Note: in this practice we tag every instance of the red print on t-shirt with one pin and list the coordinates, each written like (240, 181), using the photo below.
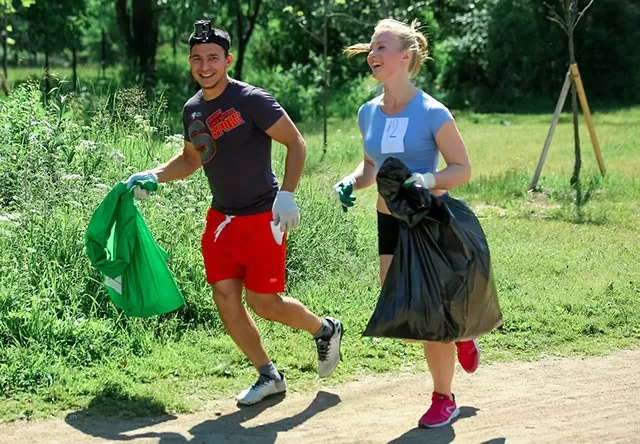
(220, 123)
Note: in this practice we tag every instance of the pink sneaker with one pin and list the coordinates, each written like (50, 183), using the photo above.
(468, 355)
(442, 411)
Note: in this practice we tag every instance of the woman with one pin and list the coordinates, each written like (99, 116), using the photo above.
(407, 123)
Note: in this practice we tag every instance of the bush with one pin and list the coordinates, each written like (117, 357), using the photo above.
(503, 55)
(59, 162)
(288, 87)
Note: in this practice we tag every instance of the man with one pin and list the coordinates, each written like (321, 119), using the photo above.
(229, 127)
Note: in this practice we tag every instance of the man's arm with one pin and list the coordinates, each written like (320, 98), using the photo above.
(180, 166)
(285, 132)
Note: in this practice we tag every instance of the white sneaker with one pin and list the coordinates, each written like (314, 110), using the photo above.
(261, 389)
(329, 350)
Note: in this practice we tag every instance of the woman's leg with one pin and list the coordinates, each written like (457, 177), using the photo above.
(440, 356)
(441, 359)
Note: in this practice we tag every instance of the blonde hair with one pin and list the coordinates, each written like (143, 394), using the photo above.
(410, 39)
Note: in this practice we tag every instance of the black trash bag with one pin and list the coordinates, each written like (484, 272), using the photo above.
(440, 285)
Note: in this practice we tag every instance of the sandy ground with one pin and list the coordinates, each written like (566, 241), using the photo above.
(591, 400)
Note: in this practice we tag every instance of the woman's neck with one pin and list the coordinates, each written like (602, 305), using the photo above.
(398, 93)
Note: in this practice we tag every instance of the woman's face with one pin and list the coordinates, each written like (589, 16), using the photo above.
(386, 57)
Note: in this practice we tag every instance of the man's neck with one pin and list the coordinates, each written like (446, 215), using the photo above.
(216, 91)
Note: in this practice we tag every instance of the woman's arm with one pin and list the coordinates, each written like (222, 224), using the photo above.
(454, 152)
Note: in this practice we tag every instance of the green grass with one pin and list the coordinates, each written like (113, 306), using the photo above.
(568, 281)
(86, 74)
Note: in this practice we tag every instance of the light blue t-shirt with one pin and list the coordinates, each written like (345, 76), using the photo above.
(408, 135)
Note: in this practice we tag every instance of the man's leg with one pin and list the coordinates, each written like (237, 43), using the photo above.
(285, 310)
(265, 281)
(327, 332)
(226, 276)
(227, 295)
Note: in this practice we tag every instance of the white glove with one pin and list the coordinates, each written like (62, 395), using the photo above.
(138, 192)
(427, 180)
(285, 211)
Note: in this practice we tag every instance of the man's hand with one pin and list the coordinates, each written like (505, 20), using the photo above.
(285, 211)
(144, 176)
(344, 192)
(427, 180)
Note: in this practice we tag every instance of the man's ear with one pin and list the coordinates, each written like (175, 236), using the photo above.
(229, 60)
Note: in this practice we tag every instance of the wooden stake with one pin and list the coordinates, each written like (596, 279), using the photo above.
(556, 116)
(587, 115)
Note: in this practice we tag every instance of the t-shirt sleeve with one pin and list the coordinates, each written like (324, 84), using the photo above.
(185, 124)
(265, 109)
(362, 121)
(438, 116)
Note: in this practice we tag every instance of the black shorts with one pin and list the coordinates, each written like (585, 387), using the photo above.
(389, 231)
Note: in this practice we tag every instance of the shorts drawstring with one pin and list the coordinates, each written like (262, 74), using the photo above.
(223, 224)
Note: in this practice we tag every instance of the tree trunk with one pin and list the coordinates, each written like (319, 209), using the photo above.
(325, 80)
(46, 75)
(4, 81)
(4, 53)
(244, 35)
(174, 47)
(74, 66)
(122, 18)
(237, 72)
(4, 84)
(574, 104)
(145, 31)
(140, 31)
(103, 54)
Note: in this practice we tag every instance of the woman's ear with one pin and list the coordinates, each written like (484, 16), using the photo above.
(406, 57)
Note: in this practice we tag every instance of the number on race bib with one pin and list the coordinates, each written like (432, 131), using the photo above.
(393, 136)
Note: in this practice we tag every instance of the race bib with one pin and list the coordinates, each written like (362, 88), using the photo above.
(393, 136)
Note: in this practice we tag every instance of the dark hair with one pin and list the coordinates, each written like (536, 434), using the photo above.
(203, 32)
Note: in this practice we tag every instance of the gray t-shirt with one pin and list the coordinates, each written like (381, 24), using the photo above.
(229, 133)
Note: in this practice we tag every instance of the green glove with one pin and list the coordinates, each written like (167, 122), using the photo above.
(344, 192)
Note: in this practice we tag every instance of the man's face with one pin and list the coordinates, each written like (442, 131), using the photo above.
(209, 64)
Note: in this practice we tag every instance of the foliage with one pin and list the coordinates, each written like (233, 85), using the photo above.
(486, 54)
(62, 342)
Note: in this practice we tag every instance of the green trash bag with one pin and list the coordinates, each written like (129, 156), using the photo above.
(134, 267)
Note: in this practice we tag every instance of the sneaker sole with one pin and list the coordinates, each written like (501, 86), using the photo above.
(453, 416)
(241, 402)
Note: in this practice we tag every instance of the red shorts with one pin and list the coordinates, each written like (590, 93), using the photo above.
(250, 247)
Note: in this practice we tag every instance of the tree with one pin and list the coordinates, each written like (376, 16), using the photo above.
(246, 15)
(568, 22)
(139, 27)
(176, 18)
(100, 32)
(51, 28)
(7, 10)
(325, 27)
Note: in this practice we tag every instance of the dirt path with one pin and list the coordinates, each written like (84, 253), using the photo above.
(553, 400)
